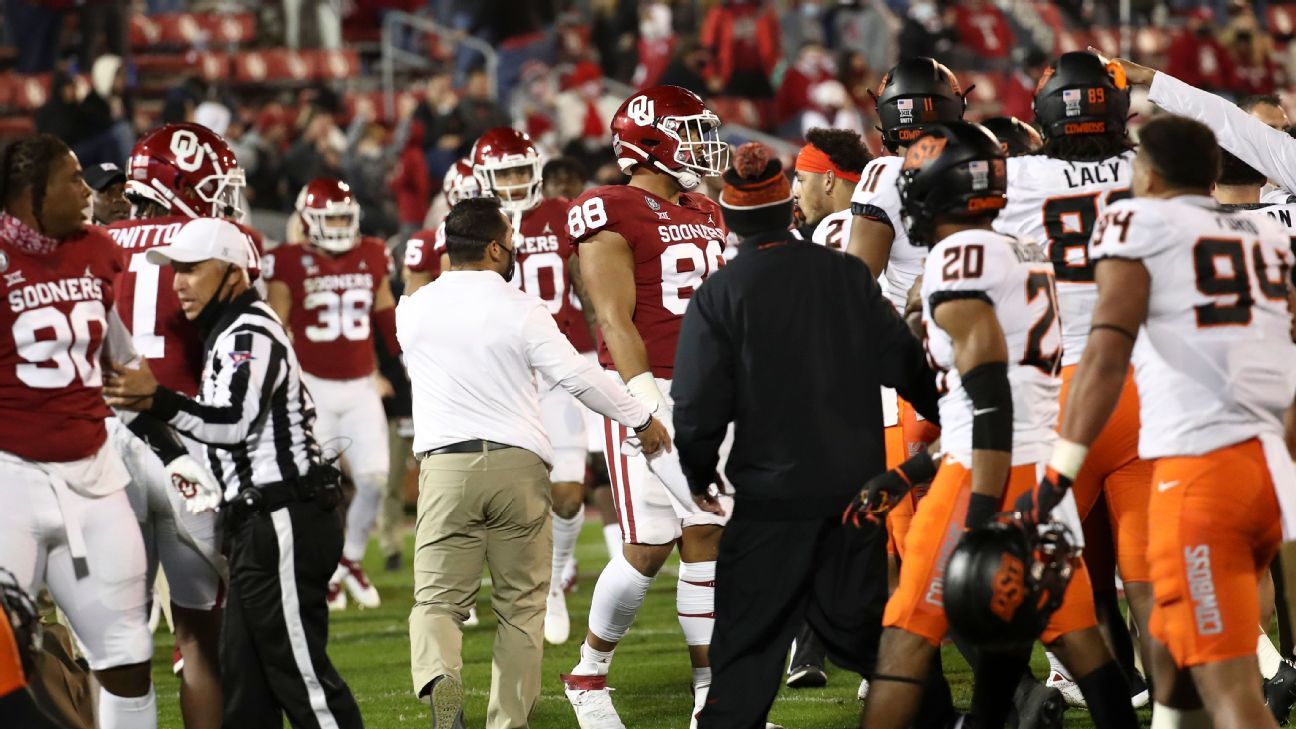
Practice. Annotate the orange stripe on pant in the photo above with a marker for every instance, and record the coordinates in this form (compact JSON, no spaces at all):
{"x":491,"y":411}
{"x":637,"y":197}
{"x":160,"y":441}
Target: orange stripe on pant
{"x":1217,"y":529}
{"x":903,"y":441}
{"x":11,"y":670}
{"x":1114,"y":468}
{"x":917,"y":605}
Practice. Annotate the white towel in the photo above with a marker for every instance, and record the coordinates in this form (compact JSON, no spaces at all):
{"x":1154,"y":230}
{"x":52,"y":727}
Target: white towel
{"x":1283,"y":473}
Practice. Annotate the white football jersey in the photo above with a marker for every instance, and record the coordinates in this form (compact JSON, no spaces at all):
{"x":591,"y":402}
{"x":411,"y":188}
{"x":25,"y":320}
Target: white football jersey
{"x":834,"y":230}
{"x":1058,"y":203}
{"x":1274,"y":195}
{"x":1213,"y":363}
{"x":877,"y":197}
{"x":1015,"y":277}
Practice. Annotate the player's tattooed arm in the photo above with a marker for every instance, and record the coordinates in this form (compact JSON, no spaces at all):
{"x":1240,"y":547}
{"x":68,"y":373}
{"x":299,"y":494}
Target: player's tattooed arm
{"x":608,"y":268}
{"x":279,"y":296}
{"x":578,"y":283}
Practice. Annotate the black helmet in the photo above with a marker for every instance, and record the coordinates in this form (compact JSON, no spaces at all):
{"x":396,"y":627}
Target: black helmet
{"x":1016,"y":136}
{"x":1002,"y":583}
{"x":956,"y":168}
{"x":1079,"y":94}
{"x":917,"y":92}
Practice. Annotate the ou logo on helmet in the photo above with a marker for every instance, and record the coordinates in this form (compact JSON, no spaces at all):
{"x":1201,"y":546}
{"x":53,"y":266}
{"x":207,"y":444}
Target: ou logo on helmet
{"x":187,"y":150}
{"x":641,"y":111}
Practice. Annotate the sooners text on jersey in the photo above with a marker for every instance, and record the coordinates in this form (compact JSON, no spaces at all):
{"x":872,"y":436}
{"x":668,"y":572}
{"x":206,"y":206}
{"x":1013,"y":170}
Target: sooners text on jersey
{"x":675,"y":248}
{"x":332,"y":302}
{"x":55,"y":316}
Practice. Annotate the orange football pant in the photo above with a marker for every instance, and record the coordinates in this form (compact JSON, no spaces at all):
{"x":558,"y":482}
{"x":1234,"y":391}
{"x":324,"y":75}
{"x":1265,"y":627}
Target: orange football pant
{"x":903,"y":441}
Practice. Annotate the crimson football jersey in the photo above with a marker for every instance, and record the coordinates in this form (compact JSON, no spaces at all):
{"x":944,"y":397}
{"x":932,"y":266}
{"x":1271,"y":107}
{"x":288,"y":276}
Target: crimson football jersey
{"x":332,"y":303}
{"x":423,"y":251}
{"x":149,"y":307}
{"x":51,"y":335}
{"x":675,"y":247}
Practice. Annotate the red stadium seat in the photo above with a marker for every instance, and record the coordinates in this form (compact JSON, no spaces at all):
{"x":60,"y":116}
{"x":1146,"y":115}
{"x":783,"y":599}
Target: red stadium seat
{"x":1149,"y":41}
{"x":337,"y":65}
{"x":982,"y":87}
{"x":29,"y":92}
{"x":1071,"y":40}
{"x":1107,"y":40}
{"x":273,"y":65}
{"x":186,"y":30}
{"x":1050,"y":14}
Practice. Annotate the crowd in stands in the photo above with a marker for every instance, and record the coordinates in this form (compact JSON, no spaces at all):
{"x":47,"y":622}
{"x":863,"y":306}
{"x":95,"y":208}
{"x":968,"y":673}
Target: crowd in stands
{"x":777,"y":66}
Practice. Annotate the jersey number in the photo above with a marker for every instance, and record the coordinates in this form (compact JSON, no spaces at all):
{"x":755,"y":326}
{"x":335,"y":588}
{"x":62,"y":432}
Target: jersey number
{"x":340,"y":315}
{"x":144,"y":307}
{"x":1041,"y":282}
{"x":1220,"y":265}
{"x":542,"y":277}
{"x":833,"y":238}
{"x":413,"y":252}
{"x":587,"y":216}
{"x":684,"y":268}
{"x":1069,"y":224}
{"x":55,"y":361}
{"x":963,"y":262}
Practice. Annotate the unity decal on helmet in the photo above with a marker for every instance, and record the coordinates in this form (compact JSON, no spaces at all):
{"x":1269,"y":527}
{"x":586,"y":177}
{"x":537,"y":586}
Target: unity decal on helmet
{"x":640,"y":111}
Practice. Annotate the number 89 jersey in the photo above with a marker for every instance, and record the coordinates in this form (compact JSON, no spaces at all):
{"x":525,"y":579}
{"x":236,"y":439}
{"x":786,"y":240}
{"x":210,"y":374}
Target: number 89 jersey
{"x":332,"y":304}
{"x":1213,"y":363}
{"x":1015,"y":277}
{"x":675,"y":247}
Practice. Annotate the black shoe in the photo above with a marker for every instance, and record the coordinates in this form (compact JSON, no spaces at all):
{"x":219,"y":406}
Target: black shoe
{"x":807,"y":664}
{"x":807,"y":676}
{"x":393,"y":562}
{"x":1280,"y":693}
{"x":1036,"y":706}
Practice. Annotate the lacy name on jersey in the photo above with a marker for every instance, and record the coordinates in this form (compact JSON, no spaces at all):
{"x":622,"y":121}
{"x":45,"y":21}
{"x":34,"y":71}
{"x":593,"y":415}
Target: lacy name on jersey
{"x":339,"y":282}
{"x":1103,"y":173}
{"x":85,"y":288}
{"x":689,"y":232}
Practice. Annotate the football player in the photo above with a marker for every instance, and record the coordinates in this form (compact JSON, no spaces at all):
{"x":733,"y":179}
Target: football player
{"x":1204,"y":291}
{"x":332,"y":293}
{"x":175,"y":173}
{"x":991,"y":314}
{"x":1056,"y":196}
{"x":425,"y":256}
{"x":67,"y":521}
{"x":644,"y":248}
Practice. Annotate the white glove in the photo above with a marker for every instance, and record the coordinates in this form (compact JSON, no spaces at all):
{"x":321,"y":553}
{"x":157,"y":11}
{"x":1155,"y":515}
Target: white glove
{"x":195,"y":484}
{"x":643,"y":387}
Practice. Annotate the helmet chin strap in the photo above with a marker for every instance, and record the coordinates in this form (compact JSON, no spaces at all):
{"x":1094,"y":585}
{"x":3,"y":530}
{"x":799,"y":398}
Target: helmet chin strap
{"x":687,"y":179}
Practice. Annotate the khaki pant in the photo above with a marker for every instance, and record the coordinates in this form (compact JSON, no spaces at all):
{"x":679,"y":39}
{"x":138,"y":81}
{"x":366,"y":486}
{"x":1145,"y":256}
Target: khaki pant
{"x":393,"y":503}
{"x":487,"y":508}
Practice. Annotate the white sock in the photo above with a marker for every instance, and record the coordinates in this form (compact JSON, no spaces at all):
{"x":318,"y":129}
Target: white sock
{"x":565,"y":534}
{"x":1164,"y":717}
{"x":701,"y":677}
{"x":120,"y":712}
{"x":1056,"y":665}
{"x":618,"y":595}
{"x":612,"y":538}
{"x":695,"y":601}
{"x":363,"y":514}
{"x":1269,"y":657}
{"x":593,"y":662}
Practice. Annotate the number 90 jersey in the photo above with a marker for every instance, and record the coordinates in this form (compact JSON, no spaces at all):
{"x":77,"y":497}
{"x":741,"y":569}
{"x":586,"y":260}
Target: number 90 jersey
{"x":1014,"y":276}
{"x":332,"y":304}
{"x":675,"y":247}
{"x":1213,"y":363}
{"x":1058,"y":202}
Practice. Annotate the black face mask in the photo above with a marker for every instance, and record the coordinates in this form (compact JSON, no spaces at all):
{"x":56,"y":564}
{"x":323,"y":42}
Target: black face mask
{"x":512,"y":264}
{"x":215,"y":306}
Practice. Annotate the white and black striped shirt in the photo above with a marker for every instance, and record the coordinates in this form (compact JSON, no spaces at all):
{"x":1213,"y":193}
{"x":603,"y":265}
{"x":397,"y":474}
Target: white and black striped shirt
{"x":253,"y":412}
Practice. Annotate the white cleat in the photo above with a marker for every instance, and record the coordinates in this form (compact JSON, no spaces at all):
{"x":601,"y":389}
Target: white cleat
{"x":336,"y":597}
{"x":1070,"y":690}
{"x":472,"y":621}
{"x":862,"y":693}
{"x":357,"y":583}
{"x":557,"y":625}
{"x":569,"y":576}
{"x":591,"y":699}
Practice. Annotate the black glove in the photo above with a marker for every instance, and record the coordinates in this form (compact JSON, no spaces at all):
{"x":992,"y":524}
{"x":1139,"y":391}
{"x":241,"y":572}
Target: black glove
{"x":884,"y":491}
{"x":981,"y":511}
{"x":1036,"y":505}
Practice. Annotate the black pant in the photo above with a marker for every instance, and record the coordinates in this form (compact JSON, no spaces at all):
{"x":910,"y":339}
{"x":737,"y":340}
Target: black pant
{"x":771,"y":576}
{"x":273,"y":641}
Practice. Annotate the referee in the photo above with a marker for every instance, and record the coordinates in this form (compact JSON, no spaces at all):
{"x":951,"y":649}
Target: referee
{"x":282,"y":531}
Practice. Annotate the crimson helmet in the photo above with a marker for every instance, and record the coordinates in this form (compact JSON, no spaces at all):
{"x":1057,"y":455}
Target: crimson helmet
{"x":330,"y":215}
{"x":505,"y":148}
{"x":188,"y":170}
{"x":460,"y":183}
{"x":670,"y":129}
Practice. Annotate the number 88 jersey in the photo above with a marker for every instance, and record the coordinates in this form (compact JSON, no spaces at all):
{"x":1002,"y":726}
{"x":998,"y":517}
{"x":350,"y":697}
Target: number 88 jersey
{"x":1015,"y":277}
{"x":675,"y":247}
{"x":1213,"y":362}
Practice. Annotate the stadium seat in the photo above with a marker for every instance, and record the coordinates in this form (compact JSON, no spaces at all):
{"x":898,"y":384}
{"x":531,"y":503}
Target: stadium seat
{"x":189,"y":30}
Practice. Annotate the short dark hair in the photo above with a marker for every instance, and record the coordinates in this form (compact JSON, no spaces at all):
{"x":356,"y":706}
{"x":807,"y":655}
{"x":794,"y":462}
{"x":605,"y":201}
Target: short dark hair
{"x":559,"y":166}
{"x":1182,"y":150}
{"x":844,"y":147}
{"x":471,"y":226}
{"x":1247,"y":103}
{"x":1234,"y":171}
{"x":25,"y":165}
{"x":1086,"y":147}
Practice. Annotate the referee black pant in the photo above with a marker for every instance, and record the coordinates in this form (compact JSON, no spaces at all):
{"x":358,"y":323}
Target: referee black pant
{"x":771,"y":576}
{"x":273,"y":659}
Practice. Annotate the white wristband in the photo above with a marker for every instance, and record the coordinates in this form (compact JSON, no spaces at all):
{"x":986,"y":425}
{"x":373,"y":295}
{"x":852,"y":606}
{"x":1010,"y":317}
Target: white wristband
{"x":644,"y":388}
{"x":1068,"y":457}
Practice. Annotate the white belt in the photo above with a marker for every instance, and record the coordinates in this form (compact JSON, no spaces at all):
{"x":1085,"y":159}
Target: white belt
{"x":71,"y":525}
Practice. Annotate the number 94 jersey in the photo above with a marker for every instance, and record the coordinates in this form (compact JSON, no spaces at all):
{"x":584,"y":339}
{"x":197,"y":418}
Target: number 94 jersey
{"x":675,"y":248}
{"x":1213,"y":362}
{"x":332,"y":303}
{"x":1015,"y":277}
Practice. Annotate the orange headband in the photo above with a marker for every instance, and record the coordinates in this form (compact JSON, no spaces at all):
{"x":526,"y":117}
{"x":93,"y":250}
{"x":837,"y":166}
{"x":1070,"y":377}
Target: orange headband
{"x":812,"y":159}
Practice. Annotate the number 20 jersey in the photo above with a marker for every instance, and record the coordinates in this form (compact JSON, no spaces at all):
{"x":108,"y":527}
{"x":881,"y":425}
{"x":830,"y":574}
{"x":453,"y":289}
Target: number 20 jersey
{"x":1057,"y":203}
{"x":675,"y":248}
{"x":1213,"y":362}
{"x":1014,"y":276}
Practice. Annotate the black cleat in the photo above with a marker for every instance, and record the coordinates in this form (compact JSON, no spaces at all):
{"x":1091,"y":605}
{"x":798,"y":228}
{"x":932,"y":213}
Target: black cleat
{"x":1036,"y":706}
{"x":807,"y":676}
{"x":393,"y":562}
{"x":1280,"y":693}
{"x":807,"y":665}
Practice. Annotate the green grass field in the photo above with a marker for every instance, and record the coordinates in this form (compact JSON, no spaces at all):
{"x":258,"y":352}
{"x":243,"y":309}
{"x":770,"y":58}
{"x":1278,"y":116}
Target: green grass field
{"x":650,"y":673}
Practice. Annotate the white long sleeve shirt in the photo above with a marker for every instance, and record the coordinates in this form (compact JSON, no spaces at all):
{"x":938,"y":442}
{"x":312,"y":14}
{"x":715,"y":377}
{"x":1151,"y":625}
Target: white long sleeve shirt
{"x":474,"y":344}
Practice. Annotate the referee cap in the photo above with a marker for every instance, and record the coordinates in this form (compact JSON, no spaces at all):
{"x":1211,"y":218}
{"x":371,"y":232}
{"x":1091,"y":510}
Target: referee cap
{"x":204,"y":239}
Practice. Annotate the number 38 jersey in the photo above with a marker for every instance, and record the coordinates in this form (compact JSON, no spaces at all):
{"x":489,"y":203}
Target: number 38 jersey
{"x":1014,"y":276}
{"x":332,"y":304}
{"x":52,"y":331}
{"x":1213,"y":363}
{"x":1058,"y":202}
{"x":675,"y":248}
